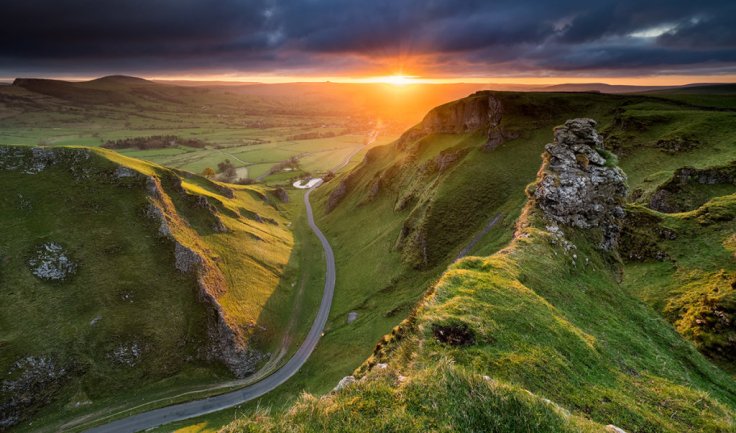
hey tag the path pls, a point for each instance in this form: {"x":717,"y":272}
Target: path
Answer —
{"x":473,"y":242}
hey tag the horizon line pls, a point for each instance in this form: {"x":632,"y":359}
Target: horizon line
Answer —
{"x":650,"y":81}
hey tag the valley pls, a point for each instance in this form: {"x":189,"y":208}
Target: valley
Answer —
{"x":457,"y":268}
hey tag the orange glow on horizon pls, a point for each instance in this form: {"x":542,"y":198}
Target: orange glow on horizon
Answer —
{"x":403,"y":80}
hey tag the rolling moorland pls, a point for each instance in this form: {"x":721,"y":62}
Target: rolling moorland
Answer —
{"x":562,"y":324}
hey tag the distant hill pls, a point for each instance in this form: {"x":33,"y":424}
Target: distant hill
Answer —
{"x":198,"y":83}
{"x":695,"y":88}
{"x":115,"y":89}
{"x":600,"y":87}
{"x":699,"y":89}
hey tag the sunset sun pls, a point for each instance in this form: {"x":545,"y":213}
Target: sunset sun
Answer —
{"x":399,"y":80}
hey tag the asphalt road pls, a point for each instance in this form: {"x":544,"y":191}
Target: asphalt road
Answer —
{"x":165,"y":415}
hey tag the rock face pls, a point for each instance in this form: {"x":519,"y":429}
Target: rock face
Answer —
{"x":50,"y":262}
{"x":337,"y":195}
{"x":227,"y":342}
{"x":281,"y":194}
{"x":30,"y":383}
{"x":34,"y":160}
{"x":578,"y":186}
{"x":672,"y":195}
{"x":480,"y":112}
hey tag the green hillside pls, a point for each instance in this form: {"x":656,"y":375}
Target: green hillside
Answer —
{"x":112,"y":272}
{"x":379,"y":276}
{"x":588,"y":354}
{"x":422,"y":200}
{"x":540,"y":336}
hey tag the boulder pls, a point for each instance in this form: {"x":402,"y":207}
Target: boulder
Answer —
{"x":344,"y":382}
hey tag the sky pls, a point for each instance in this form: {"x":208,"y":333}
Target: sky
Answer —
{"x":638,"y":42}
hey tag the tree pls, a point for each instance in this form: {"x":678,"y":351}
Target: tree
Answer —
{"x":208,"y":172}
{"x":224,"y":166}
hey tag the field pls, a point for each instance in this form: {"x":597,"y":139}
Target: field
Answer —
{"x":253,"y":126}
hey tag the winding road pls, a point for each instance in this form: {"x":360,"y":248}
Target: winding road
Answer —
{"x":182,"y":411}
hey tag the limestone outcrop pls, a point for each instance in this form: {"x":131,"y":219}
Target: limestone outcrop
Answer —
{"x":480,"y":112}
{"x":51,"y":262}
{"x":227,"y":341}
{"x":672,"y":196}
{"x":30,"y":383}
{"x":579,"y":185}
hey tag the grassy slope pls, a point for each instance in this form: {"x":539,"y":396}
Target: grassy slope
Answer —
{"x":370,"y":247}
{"x":375,"y":292}
{"x":690,"y":284}
{"x":127,"y":281}
{"x":692,"y":279}
{"x":567,"y":333}
{"x":372,"y":279}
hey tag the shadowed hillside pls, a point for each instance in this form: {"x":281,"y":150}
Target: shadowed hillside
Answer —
{"x":120,"y":277}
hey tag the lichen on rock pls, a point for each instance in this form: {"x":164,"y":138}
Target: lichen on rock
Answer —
{"x":344,"y":383}
{"x":127,"y":354}
{"x":51,"y":262}
{"x":578,"y":187}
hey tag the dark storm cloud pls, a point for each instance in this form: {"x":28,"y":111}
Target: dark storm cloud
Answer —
{"x":325,"y":36}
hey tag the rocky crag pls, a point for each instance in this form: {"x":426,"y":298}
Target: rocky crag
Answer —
{"x":579,"y":185}
{"x":481,"y":112}
{"x":227,"y":343}
{"x":673,"y":196}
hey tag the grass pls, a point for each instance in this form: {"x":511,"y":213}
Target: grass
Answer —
{"x":239,"y":126}
{"x":691,"y":282}
{"x":122,"y":273}
{"x":572,"y":335}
